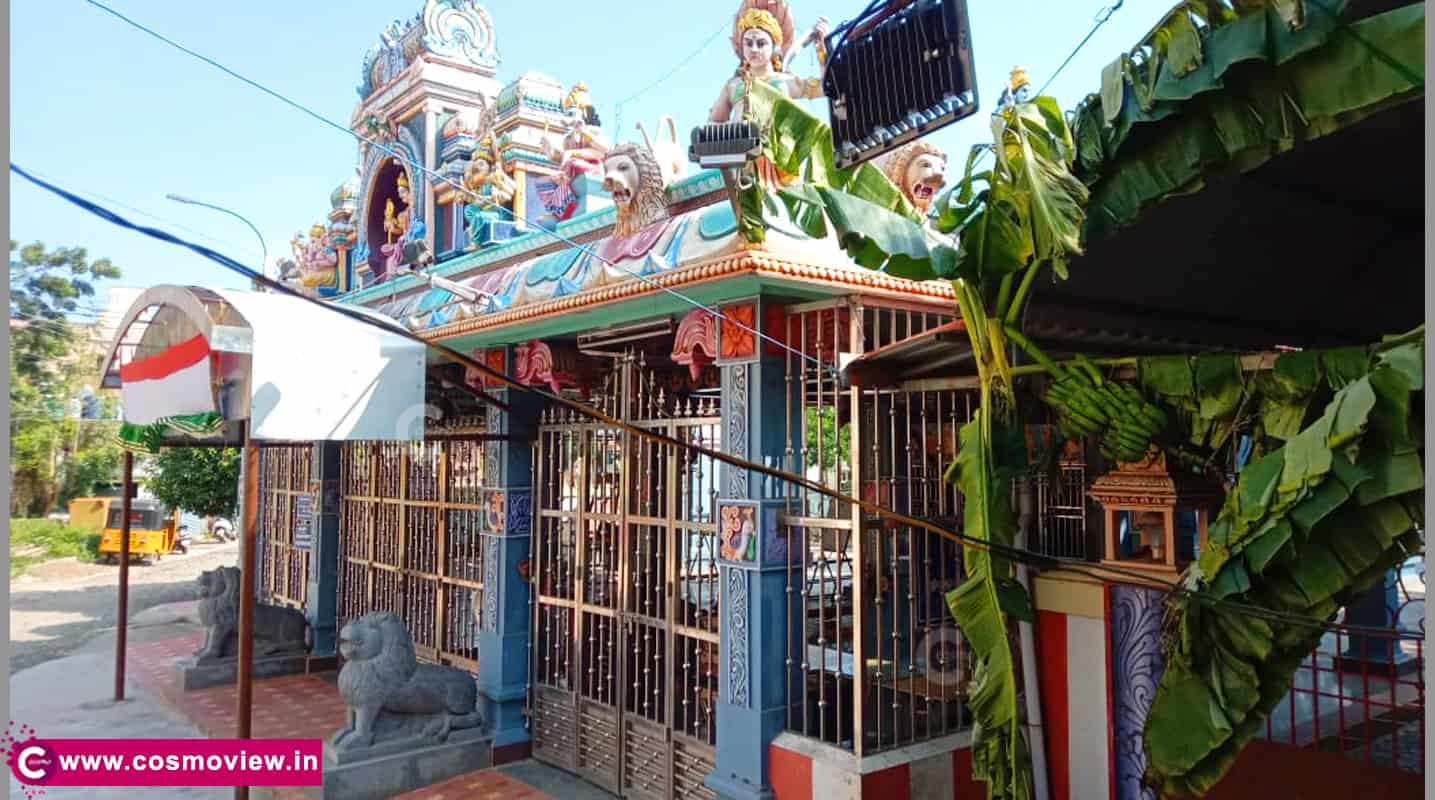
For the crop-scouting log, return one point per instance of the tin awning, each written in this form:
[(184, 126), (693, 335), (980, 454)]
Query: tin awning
[(194, 361)]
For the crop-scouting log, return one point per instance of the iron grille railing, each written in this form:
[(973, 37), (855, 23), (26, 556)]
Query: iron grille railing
[(411, 525), (284, 476), (874, 659), (1361, 692)]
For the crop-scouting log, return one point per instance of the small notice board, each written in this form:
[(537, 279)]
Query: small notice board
[(304, 521)]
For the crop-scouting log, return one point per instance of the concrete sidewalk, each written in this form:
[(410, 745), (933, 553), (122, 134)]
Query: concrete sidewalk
[(73, 698)]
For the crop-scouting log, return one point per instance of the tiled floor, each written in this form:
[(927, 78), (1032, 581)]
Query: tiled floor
[(297, 707), (488, 784), (288, 707)]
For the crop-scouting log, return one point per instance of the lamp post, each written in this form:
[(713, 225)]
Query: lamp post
[(263, 248)]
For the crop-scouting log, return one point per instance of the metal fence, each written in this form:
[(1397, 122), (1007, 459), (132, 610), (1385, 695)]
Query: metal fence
[(410, 524), (1361, 692), (284, 476), (874, 659)]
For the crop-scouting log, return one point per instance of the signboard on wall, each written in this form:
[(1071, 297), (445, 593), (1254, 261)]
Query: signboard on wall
[(304, 521)]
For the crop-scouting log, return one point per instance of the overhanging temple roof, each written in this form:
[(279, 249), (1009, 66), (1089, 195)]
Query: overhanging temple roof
[(698, 245), (1267, 180)]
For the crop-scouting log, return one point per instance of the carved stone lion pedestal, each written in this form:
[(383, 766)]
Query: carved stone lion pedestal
[(407, 725), (281, 636)]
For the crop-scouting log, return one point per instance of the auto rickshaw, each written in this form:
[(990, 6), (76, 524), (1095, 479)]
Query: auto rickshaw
[(91, 513), (153, 531)]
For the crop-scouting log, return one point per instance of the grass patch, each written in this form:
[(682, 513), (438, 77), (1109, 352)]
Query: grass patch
[(35, 540)]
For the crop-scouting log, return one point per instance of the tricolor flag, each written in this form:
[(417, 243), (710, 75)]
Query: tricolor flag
[(174, 383)]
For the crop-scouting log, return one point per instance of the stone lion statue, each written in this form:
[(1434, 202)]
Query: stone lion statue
[(632, 175), (390, 696), (277, 630), (919, 170)]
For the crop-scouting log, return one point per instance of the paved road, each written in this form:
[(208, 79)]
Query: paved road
[(57, 606)]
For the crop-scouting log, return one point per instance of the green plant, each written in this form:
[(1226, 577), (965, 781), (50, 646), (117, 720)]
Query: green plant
[(202, 480), (33, 541), (1310, 526)]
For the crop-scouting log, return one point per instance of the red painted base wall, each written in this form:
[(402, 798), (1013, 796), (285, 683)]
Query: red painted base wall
[(1267, 771)]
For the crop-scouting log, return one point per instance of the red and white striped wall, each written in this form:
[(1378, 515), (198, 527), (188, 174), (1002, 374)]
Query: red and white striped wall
[(804, 769), (1073, 645)]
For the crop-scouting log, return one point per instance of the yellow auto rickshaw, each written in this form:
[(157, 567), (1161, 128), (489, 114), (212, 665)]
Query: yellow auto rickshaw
[(153, 531), (91, 513)]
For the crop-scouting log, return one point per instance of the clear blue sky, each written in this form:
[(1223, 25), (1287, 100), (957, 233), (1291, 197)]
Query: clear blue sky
[(100, 107)]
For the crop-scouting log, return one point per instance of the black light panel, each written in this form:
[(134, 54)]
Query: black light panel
[(900, 71)]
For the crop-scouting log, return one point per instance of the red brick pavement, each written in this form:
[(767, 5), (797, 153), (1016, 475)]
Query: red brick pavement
[(288, 707), (488, 784)]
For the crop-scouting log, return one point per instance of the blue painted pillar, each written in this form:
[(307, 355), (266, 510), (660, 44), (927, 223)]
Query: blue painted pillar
[(1377, 608), (1136, 668), (503, 614), (322, 607), (753, 646)]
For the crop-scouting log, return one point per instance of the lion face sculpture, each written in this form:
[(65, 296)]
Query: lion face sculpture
[(380, 643), (388, 694), (631, 174), (919, 170), (219, 596)]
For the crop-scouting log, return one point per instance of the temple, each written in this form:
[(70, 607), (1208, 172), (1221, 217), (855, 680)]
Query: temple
[(665, 625)]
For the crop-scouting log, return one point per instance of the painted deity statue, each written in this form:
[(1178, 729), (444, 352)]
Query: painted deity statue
[(761, 31), (580, 152), (396, 226), (316, 260), (491, 184)]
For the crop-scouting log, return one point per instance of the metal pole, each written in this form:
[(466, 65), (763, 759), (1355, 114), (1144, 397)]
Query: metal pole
[(262, 246), (122, 626), (246, 592)]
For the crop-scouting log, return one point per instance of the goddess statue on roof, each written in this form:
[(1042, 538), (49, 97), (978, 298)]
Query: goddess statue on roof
[(760, 32)]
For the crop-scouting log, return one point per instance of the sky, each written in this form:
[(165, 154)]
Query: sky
[(106, 111)]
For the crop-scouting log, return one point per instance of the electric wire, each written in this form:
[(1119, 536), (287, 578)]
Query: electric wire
[(1101, 17), (618, 106), (1105, 574), (439, 177), (119, 204)]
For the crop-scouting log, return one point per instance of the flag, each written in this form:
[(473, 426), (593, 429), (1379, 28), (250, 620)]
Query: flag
[(173, 383)]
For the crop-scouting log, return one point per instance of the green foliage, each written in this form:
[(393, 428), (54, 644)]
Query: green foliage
[(1310, 526), (980, 604), (201, 480), (835, 444), (53, 457), (33, 541)]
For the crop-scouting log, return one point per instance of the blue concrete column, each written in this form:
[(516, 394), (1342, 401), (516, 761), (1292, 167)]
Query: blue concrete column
[(1377, 608), (1136, 668), (503, 615), (753, 644), (322, 607)]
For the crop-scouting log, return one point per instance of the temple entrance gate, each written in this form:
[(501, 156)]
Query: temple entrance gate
[(625, 563)]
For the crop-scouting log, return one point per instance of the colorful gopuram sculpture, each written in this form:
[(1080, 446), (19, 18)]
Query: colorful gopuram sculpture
[(919, 170), (761, 31), (579, 153), (493, 191), (315, 258)]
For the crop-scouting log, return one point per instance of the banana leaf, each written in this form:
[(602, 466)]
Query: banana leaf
[(879, 239), (1340, 516)]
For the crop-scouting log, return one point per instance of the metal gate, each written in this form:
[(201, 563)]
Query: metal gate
[(410, 525), (284, 476), (627, 603)]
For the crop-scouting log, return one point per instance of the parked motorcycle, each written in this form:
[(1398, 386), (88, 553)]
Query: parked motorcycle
[(224, 529), (182, 540)]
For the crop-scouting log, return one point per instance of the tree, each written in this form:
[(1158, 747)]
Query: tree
[(53, 457), (202, 480)]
